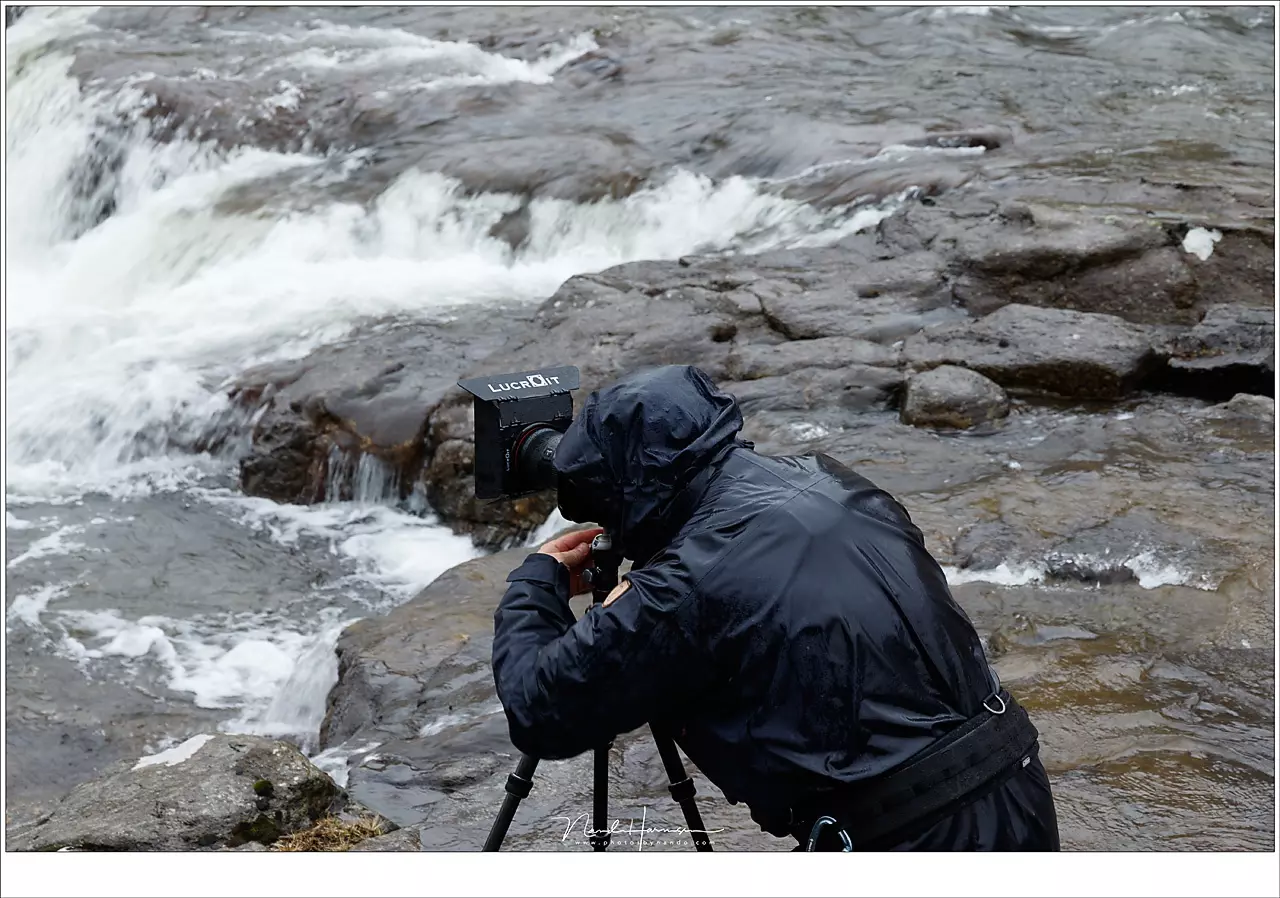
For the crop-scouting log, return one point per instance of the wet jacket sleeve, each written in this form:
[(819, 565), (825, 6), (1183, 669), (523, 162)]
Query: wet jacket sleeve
[(568, 686)]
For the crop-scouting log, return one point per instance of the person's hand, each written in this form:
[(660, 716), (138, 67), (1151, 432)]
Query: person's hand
[(573, 550)]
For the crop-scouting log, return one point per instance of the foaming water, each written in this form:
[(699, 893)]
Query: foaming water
[(442, 64), (120, 334), (398, 552)]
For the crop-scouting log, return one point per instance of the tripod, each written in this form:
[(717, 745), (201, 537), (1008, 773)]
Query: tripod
[(603, 577)]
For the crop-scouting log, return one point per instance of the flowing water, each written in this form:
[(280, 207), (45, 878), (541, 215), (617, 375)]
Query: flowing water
[(147, 599)]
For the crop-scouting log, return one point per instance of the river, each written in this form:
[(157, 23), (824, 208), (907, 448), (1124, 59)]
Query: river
[(148, 599)]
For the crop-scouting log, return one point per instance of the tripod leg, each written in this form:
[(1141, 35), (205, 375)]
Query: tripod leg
[(600, 834), (682, 789), (518, 786)]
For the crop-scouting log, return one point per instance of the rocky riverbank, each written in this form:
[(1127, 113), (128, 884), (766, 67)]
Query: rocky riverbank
[(1044, 299), (1009, 370), (208, 793), (1039, 310)]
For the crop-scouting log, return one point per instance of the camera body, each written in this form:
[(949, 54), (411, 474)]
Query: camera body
[(519, 419)]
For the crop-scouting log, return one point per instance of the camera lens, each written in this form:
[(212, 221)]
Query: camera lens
[(535, 458)]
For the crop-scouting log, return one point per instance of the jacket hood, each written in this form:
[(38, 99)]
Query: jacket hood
[(636, 446)]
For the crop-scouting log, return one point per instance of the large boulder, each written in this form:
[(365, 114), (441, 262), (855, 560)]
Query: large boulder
[(1075, 354), (385, 402), (1231, 350), (353, 419), (948, 396), (399, 671), (1066, 252), (1261, 409), (208, 792), (1054, 258), (1074, 256)]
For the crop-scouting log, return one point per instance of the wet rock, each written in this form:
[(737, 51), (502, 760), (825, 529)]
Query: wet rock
[(1036, 255), (514, 227), (199, 795), (398, 672), (873, 183), (948, 396), (987, 138), (1231, 350), (1087, 569), (225, 113), (1074, 354), (1076, 257), (770, 360), (52, 744), (591, 68), (355, 417), (418, 682), (879, 300), (1244, 405), (1137, 546), (851, 388), (582, 168), (989, 544), (1240, 269)]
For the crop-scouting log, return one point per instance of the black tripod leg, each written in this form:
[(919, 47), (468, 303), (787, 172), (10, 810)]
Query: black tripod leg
[(682, 789), (518, 786), (600, 834)]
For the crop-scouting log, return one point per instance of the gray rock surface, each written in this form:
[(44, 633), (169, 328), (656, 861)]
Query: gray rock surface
[(209, 792), (1043, 299), (948, 396), (1231, 350), (1245, 405), (1076, 354)]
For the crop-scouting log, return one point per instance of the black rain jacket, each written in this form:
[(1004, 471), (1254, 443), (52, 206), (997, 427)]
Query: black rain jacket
[(783, 620)]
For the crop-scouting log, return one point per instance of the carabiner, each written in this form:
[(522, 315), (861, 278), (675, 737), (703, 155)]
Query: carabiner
[(817, 828)]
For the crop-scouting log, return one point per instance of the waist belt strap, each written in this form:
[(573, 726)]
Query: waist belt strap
[(953, 768)]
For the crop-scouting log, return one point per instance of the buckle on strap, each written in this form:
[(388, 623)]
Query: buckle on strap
[(817, 830), (997, 697)]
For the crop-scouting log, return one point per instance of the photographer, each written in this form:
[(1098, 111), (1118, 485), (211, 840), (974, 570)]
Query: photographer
[(782, 620)]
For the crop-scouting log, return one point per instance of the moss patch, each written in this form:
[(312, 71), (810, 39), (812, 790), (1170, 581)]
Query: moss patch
[(263, 788), (263, 830), (331, 834)]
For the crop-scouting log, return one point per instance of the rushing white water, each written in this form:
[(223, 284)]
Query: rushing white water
[(121, 333), (118, 338)]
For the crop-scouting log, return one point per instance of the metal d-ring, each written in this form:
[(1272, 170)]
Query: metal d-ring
[(817, 828), (1003, 707)]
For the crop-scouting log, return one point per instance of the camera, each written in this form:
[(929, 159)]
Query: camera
[(519, 421)]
